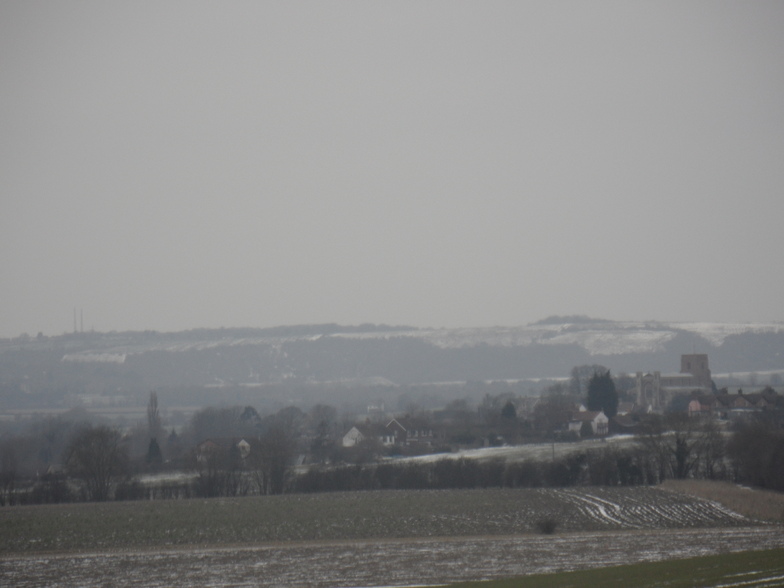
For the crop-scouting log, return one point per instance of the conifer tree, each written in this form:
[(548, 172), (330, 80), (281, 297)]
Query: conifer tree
[(602, 394)]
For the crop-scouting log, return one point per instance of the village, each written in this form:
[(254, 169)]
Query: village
[(235, 450), (555, 415)]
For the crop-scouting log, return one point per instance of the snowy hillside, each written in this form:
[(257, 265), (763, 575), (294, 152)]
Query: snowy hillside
[(364, 355), (597, 338), (594, 337)]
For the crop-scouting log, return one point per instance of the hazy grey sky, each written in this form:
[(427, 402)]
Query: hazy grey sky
[(171, 165)]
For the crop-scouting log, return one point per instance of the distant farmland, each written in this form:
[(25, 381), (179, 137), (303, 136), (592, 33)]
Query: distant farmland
[(364, 538)]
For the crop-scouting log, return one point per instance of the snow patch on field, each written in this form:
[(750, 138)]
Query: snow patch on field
[(529, 451), (760, 580)]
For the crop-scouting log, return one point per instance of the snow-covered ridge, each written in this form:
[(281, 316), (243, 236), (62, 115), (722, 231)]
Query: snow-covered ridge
[(91, 357), (597, 338), (121, 350)]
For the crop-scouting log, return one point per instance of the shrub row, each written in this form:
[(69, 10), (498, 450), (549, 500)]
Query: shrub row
[(607, 468)]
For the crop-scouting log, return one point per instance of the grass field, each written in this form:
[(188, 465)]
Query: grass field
[(747, 569)]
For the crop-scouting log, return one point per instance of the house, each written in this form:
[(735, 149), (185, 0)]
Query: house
[(353, 437), (362, 432), (222, 446), (724, 405), (395, 432), (701, 405), (740, 405), (597, 419), (398, 431), (411, 430)]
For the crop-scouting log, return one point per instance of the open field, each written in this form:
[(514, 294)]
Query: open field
[(764, 505), (749, 569), (364, 538), (351, 516), (404, 562)]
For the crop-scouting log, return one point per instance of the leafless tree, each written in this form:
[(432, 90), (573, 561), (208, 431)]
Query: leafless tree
[(713, 454), (552, 411), (9, 471), (96, 456), (681, 446), (322, 426), (270, 460)]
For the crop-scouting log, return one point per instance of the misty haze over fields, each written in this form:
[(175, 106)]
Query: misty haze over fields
[(376, 293)]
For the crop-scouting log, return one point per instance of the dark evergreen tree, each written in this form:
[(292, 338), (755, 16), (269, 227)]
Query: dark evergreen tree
[(581, 375), (602, 394), (154, 455)]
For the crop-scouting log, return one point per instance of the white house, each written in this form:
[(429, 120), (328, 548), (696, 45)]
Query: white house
[(358, 433), (353, 437), (599, 422)]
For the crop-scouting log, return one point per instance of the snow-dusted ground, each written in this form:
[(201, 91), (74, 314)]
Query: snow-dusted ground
[(527, 452), (379, 539), (168, 478), (378, 563)]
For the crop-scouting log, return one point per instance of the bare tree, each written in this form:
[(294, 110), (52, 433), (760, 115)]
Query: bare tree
[(221, 471), (713, 452), (213, 422), (322, 424), (676, 444), (654, 446), (757, 452), (271, 459), (211, 466), (8, 472), (552, 411), (686, 445), (96, 456)]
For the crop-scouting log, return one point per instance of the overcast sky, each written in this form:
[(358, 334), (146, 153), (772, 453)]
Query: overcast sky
[(174, 165)]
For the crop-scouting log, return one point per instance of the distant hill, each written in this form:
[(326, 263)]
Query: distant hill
[(136, 362)]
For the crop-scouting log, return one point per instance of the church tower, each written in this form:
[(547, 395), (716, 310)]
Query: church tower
[(696, 364)]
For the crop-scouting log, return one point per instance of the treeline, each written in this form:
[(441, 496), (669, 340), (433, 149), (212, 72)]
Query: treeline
[(757, 450), (235, 451), (608, 467), (230, 476)]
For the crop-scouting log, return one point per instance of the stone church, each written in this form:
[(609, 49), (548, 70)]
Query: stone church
[(654, 391)]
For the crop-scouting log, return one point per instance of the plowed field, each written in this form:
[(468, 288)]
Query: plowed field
[(363, 539)]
